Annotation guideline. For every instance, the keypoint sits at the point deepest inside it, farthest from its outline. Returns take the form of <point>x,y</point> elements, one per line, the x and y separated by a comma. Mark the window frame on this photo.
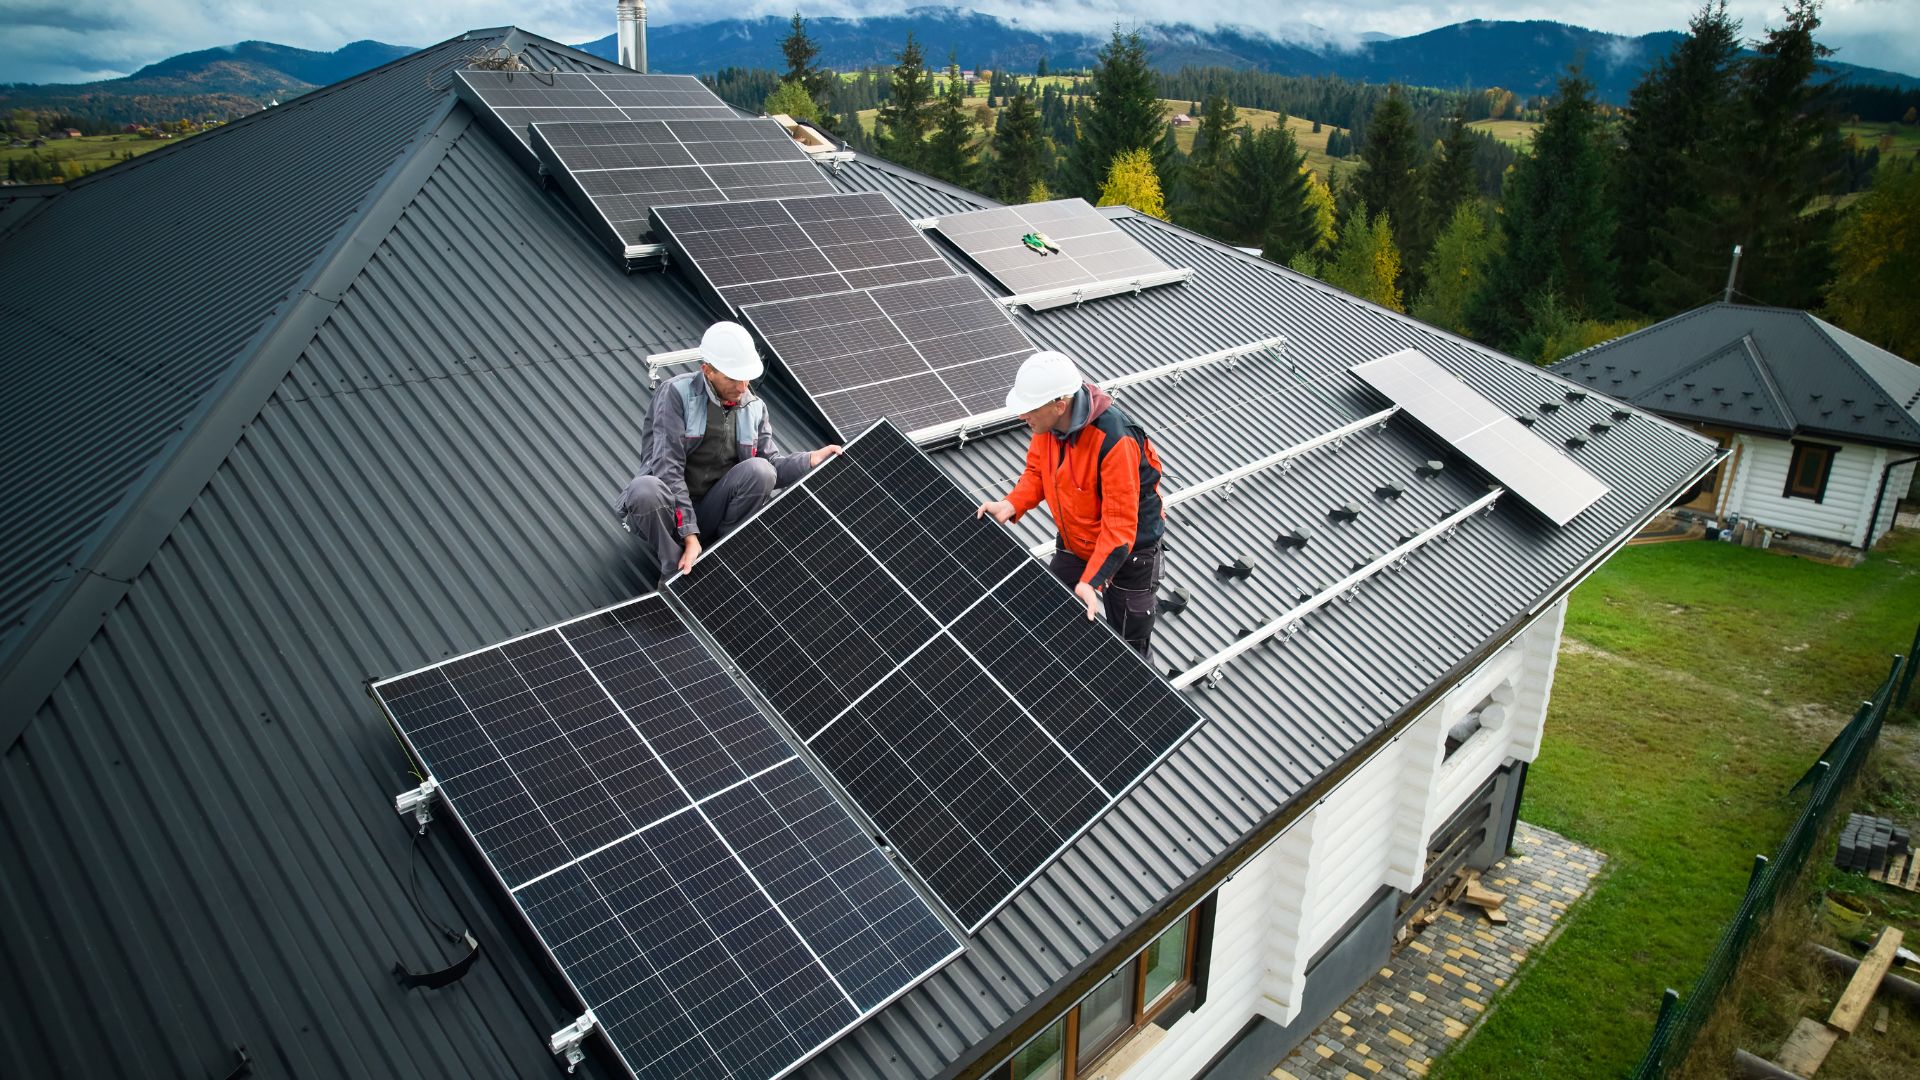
<point>1801,451</point>
<point>1140,1013</point>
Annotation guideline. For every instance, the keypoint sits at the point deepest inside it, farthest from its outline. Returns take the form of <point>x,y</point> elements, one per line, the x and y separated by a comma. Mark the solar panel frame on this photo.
<point>1535,471</point>
<point>918,353</point>
<point>881,493</point>
<point>616,171</point>
<point>749,251</point>
<point>1092,248</point>
<point>509,102</point>
<point>758,833</point>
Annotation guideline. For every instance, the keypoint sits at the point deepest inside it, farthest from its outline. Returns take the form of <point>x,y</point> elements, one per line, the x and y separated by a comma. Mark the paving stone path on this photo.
<point>1438,984</point>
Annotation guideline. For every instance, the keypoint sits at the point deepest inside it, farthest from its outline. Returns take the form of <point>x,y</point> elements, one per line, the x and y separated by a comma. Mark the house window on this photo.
<point>1151,985</point>
<point>1807,473</point>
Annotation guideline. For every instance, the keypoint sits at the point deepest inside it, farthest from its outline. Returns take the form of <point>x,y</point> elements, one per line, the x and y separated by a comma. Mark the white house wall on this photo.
<point>1897,486</point>
<point>1841,514</point>
<point>1294,897</point>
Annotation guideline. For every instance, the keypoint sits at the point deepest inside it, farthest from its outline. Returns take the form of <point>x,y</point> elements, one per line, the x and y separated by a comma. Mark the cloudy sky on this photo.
<point>81,40</point>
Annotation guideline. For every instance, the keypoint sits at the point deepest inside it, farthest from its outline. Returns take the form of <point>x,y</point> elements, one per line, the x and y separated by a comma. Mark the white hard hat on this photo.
<point>729,348</point>
<point>1043,377</point>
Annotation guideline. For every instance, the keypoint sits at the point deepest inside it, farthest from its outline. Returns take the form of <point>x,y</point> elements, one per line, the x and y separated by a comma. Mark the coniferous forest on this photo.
<point>1609,218</point>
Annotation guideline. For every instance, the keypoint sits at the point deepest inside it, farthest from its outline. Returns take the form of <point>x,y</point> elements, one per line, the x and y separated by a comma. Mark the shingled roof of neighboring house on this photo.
<point>1775,370</point>
<point>392,384</point>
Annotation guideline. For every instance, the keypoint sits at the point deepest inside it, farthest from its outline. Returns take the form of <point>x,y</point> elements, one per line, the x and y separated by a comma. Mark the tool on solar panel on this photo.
<point>1038,242</point>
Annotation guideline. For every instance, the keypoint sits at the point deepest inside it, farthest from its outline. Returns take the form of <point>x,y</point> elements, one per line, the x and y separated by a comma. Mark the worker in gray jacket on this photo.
<point>711,461</point>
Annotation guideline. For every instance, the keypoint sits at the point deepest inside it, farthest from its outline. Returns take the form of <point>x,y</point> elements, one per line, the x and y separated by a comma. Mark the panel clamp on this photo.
<point>567,1042</point>
<point>418,802</point>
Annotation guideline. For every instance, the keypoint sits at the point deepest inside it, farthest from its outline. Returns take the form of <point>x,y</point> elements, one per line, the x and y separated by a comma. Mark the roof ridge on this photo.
<point>1759,362</point>
<point>36,664</point>
<point>1623,338</point>
<point>1820,327</point>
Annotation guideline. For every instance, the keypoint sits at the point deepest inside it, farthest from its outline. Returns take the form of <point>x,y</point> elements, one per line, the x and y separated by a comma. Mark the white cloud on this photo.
<point>84,39</point>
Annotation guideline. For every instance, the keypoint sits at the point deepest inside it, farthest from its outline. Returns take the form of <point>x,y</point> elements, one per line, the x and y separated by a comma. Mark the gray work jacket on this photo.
<point>676,423</point>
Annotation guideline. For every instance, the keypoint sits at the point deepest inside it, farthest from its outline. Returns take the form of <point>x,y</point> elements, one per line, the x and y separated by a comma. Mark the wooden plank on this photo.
<point>1807,1047</point>
<point>1865,982</point>
<point>1485,898</point>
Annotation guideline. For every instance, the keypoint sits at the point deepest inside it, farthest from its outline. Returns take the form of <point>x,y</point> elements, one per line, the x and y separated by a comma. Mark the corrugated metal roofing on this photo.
<point>1828,381</point>
<point>201,849</point>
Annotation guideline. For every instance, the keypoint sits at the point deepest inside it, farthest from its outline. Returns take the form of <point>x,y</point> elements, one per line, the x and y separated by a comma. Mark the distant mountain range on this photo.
<point>1525,57</point>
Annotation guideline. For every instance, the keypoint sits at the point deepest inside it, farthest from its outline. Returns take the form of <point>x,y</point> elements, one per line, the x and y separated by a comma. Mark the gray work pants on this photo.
<point>649,510</point>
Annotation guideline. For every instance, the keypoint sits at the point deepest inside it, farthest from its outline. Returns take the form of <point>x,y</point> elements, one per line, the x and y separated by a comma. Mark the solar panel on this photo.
<point>716,908</point>
<point>1091,248</point>
<point>1540,474</point>
<point>953,688</point>
<point>748,252</point>
<point>918,354</point>
<point>510,101</point>
<point>616,171</point>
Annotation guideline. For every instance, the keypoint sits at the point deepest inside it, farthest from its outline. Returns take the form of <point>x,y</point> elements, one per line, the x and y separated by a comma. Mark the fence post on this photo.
<point>1656,1063</point>
<point>1906,679</point>
<point>1753,879</point>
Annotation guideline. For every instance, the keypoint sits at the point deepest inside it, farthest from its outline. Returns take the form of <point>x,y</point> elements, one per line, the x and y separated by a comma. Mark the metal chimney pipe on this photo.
<point>1732,272</point>
<point>630,20</point>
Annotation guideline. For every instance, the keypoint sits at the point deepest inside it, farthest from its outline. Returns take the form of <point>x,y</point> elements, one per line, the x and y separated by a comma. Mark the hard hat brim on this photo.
<point>748,369</point>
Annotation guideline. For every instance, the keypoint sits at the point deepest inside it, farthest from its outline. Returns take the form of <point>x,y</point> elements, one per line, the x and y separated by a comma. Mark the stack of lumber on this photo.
<point>1807,1047</point>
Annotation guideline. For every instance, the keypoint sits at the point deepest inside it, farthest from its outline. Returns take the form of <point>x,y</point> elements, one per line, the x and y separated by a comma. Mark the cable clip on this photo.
<point>418,802</point>
<point>567,1042</point>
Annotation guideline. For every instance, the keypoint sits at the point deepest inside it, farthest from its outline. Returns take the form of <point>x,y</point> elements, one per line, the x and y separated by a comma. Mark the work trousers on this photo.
<point>1130,597</point>
<point>734,498</point>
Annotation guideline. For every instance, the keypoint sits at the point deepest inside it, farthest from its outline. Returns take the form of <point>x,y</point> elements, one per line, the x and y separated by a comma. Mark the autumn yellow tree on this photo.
<point>1321,200</point>
<point>1132,181</point>
<point>1877,259</point>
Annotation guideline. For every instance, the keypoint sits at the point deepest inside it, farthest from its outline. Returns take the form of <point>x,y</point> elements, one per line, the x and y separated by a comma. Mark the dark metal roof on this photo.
<point>201,849</point>
<point>1775,370</point>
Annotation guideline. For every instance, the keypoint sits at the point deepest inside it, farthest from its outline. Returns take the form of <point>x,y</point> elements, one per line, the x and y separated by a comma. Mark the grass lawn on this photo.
<point>1515,133</point>
<point>91,152</point>
<point>1696,683</point>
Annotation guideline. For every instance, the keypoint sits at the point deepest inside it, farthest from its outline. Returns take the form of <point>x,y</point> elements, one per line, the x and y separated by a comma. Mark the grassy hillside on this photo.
<point>77,157</point>
<point>1515,133</point>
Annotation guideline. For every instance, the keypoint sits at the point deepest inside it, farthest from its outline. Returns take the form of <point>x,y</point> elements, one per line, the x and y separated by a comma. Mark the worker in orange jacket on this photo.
<point>1100,475</point>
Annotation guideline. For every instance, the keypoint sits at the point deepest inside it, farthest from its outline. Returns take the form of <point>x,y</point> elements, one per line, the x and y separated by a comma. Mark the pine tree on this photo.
<point>1673,118</point>
<point>1262,198</point>
<point>792,99</point>
<point>1877,252</point>
<point>1447,180</point>
<point>816,81</point>
<point>1454,268</point>
<point>1392,153</point>
<point>1039,193</point>
<point>1320,198</point>
<point>1020,153</point>
<point>1780,154</point>
<point>1133,182</point>
<point>1124,115</point>
<point>952,151</point>
<point>1555,228</point>
<point>903,123</point>
<point>1212,143</point>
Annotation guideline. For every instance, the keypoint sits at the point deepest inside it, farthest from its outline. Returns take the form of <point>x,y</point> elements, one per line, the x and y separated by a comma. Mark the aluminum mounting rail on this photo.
<point>1212,667</point>
<point>1278,457</point>
<point>966,425</point>
<point>1094,290</point>
<point>659,360</point>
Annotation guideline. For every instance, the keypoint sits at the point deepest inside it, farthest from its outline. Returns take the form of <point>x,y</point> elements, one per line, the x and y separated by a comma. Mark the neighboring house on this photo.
<point>1823,428</point>
<point>350,398</point>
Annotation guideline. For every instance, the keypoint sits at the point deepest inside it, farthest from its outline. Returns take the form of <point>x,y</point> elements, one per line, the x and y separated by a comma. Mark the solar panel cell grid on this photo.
<point>1091,248</point>
<point>631,796</point>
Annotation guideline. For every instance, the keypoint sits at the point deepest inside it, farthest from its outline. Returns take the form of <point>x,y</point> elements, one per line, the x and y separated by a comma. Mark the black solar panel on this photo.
<point>1537,472</point>
<point>511,101</point>
<point>919,354</point>
<point>955,690</point>
<point>1091,248</point>
<point>716,908</point>
<point>616,171</point>
<point>746,253</point>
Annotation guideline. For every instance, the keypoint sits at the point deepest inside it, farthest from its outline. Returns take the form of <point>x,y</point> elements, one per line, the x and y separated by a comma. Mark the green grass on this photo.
<point>89,153</point>
<point>1515,133</point>
<point>1697,683</point>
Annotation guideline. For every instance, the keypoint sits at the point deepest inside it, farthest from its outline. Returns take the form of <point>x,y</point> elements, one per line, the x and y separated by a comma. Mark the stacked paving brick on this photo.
<point>1869,843</point>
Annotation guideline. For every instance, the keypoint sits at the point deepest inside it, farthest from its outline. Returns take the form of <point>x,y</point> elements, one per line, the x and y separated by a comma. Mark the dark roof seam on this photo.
<point>165,491</point>
<point>1759,363</point>
<point>131,365</point>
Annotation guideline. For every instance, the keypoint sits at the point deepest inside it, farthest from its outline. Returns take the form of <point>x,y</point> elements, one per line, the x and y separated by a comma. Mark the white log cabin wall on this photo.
<point>1285,905</point>
<point>1841,514</point>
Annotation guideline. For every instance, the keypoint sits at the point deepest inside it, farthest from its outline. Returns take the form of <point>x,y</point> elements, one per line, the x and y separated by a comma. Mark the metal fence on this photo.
<point>1679,1020</point>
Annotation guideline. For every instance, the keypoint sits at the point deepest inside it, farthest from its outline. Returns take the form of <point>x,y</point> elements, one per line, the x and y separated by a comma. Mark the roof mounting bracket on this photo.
<point>656,361</point>
<point>418,802</point>
<point>567,1042</point>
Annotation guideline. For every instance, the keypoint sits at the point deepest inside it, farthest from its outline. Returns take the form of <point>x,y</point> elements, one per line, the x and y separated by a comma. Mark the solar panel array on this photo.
<point>617,171</point>
<point>779,249</point>
<point>918,354</point>
<point>953,688</point>
<point>1091,248</point>
<point>1539,474</point>
<point>510,101</point>
<point>718,910</point>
